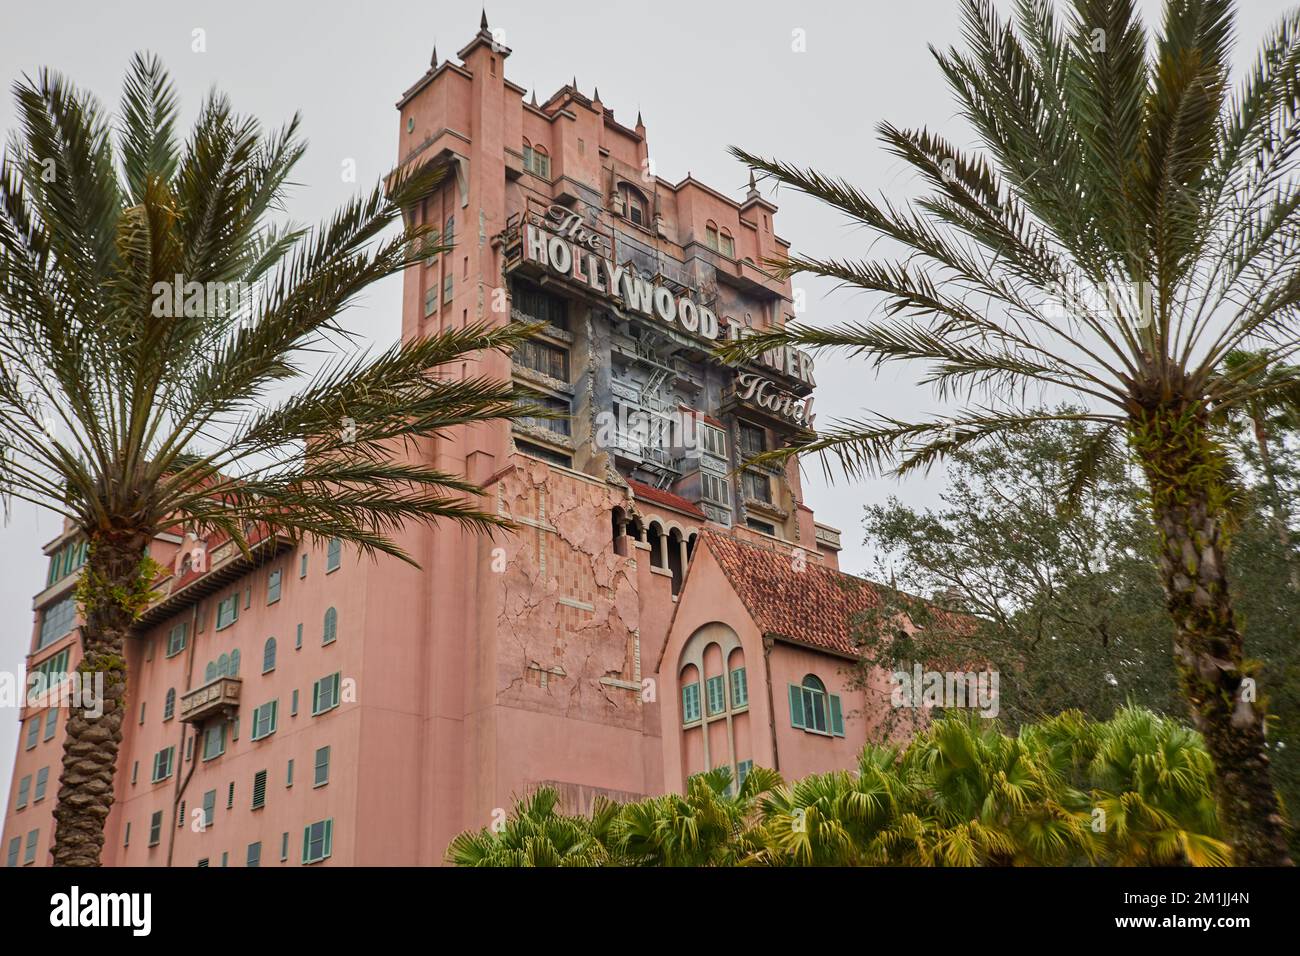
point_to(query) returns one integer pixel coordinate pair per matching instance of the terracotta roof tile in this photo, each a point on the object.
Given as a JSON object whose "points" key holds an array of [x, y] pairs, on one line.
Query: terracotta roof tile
{"points": [[666, 498], [815, 606]]}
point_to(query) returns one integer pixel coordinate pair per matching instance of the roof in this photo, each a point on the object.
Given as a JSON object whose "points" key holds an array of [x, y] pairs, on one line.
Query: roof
{"points": [[645, 492], [815, 606]]}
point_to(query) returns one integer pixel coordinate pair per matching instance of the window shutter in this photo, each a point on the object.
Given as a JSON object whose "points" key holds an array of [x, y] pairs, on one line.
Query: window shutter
{"points": [[329, 838], [796, 706], [259, 789], [739, 688], [306, 843], [837, 716]]}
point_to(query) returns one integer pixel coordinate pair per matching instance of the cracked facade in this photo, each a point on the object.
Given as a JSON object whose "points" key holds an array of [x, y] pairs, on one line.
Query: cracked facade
{"points": [[658, 611]]}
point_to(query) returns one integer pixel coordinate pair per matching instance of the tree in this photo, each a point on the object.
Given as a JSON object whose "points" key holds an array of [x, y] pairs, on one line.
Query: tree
{"points": [[151, 306], [1126, 225]]}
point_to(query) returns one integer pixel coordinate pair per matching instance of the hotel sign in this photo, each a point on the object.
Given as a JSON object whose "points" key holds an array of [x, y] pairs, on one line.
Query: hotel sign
{"points": [[562, 244]]}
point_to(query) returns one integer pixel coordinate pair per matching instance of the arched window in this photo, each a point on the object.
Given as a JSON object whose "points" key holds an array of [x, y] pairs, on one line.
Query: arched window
{"points": [[449, 232], [268, 655], [333, 555], [223, 666], [528, 156], [726, 244], [711, 235], [655, 538], [234, 663], [537, 161], [814, 710], [331, 626], [169, 703], [210, 672], [634, 205]]}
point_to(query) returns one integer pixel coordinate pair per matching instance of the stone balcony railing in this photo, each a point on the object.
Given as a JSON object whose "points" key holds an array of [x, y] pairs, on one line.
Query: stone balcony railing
{"points": [[218, 698]]}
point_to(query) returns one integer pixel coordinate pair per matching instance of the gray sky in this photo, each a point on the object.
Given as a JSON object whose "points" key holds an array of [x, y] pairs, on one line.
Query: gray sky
{"points": [[704, 76]]}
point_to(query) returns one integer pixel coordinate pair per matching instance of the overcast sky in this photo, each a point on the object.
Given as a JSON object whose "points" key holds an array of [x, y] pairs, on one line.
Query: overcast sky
{"points": [[703, 75]]}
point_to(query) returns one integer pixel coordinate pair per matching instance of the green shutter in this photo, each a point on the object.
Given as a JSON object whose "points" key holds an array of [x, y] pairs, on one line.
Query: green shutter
{"points": [[329, 838], [306, 843], [837, 716], [796, 706]]}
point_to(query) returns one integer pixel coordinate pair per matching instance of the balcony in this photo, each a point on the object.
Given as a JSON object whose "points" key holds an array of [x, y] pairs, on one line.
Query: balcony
{"points": [[220, 698]]}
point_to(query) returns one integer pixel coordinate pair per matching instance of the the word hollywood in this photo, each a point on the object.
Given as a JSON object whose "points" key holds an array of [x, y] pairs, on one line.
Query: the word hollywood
{"points": [[950, 689], [565, 245]]}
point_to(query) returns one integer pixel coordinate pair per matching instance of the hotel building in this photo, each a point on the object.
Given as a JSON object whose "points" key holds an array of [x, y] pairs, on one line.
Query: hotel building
{"points": [[655, 614]]}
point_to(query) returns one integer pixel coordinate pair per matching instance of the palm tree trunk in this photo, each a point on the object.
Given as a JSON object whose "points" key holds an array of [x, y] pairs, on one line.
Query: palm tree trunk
{"points": [[1184, 470], [109, 594], [1281, 516]]}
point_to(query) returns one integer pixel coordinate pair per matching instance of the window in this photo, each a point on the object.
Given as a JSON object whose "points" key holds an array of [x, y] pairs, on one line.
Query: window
{"points": [[550, 360], [51, 723], [176, 638], [50, 672], [259, 789], [302, 567], [742, 771], [756, 486], [432, 241], [325, 694], [162, 764], [293, 703], [711, 235], [230, 796], [449, 232], [209, 807], [155, 828], [431, 299], [330, 632], [739, 688], [536, 161], [24, 790], [180, 819], [15, 845], [764, 526], [42, 781], [273, 586], [322, 775], [268, 655], [33, 732], [56, 621], [447, 287], [633, 203], [715, 690], [690, 703], [288, 777], [135, 772], [715, 488], [297, 642], [142, 704], [753, 440], [559, 405], [227, 611], [813, 710], [544, 454], [317, 841], [540, 306], [713, 440], [214, 741], [67, 559], [264, 719], [254, 857], [169, 704], [333, 555], [202, 863], [284, 846], [726, 244], [30, 855]]}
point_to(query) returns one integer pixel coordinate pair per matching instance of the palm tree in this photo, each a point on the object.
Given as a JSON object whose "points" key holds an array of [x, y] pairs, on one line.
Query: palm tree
{"points": [[127, 420], [537, 835], [1128, 222]]}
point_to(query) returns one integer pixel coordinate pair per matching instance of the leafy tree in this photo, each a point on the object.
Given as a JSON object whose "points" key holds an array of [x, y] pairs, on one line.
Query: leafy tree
{"points": [[1126, 223], [129, 419]]}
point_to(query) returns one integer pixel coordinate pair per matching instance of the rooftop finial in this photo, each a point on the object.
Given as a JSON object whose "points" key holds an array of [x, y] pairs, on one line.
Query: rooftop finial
{"points": [[433, 60], [574, 83], [534, 103], [595, 97], [638, 118], [482, 23], [753, 188]]}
